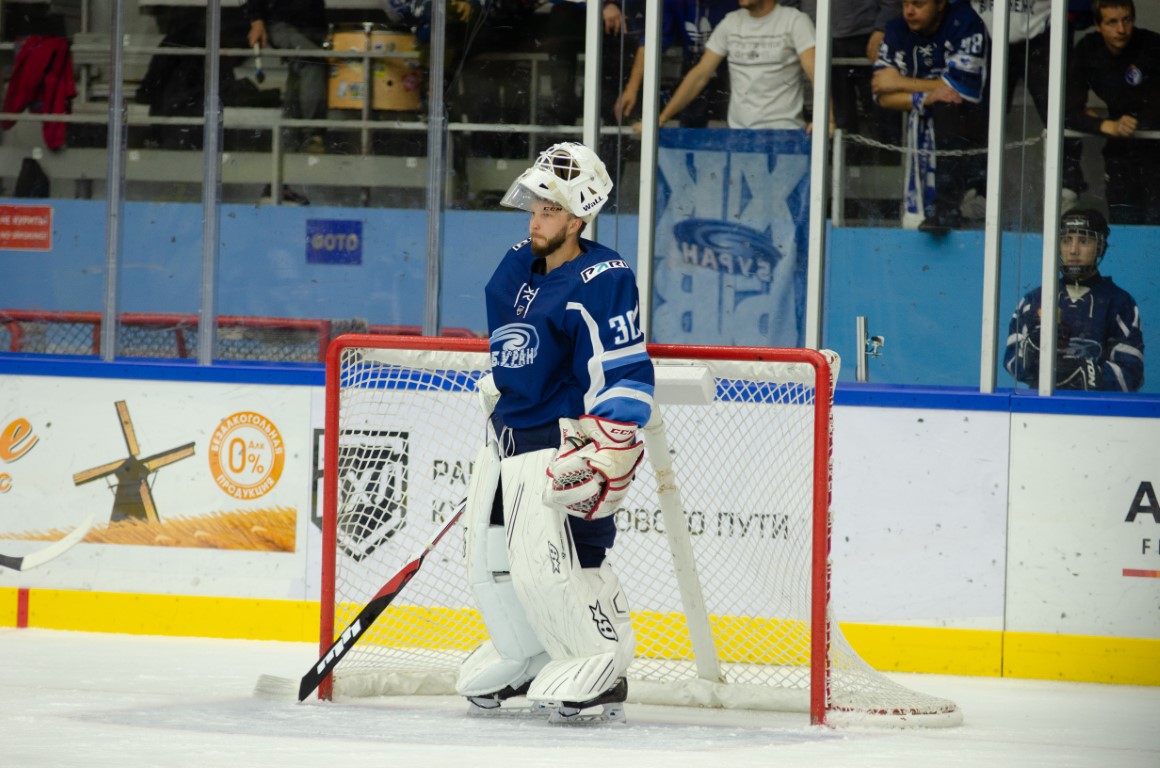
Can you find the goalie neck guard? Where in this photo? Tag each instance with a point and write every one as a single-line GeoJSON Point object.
{"type": "Point", "coordinates": [569, 174]}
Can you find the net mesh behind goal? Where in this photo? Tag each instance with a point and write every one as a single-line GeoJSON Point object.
{"type": "Point", "coordinates": [722, 544]}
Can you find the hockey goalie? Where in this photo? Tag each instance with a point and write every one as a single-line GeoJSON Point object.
{"type": "Point", "coordinates": [570, 386]}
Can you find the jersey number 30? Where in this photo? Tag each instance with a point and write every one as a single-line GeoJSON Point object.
{"type": "Point", "coordinates": [625, 327]}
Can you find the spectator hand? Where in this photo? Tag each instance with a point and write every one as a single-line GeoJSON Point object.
{"type": "Point", "coordinates": [462, 10]}
{"type": "Point", "coordinates": [1120, 129]}
{"type": "Point", "coordinates": [613, 19]}
{"type": "Point", "coordinates": [625, 103]}
{"type": "Point", "coordinates": [945, 94]}
{"type": "Point", "coordinates": [257, 34]}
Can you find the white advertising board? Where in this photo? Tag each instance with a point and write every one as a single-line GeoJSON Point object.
{"type": "Point", "coordinates": [1084, 526]}
{"type": "Point", "coordinates": [191, 488]}
{"type": "Point", "coordinates": [920, 516]}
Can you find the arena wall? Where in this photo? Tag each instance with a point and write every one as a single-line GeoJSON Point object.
{"type": "Point", "coordinates": [973, 534]}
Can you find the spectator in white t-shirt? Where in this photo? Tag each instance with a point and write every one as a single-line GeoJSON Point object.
{"type": "Point", "coordinates": [769, 47]}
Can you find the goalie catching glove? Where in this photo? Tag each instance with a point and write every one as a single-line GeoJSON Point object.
{"type": "Point", "coordinates": [592, 470]}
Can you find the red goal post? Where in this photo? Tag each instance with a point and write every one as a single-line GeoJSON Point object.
{"type": "Point", "coordinates": [723, 542]}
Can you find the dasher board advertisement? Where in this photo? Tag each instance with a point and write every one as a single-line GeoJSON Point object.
{"type": "Point", "coordinates": [1084, 526]}
{"type": "Point", "coordinates": [189, 488]}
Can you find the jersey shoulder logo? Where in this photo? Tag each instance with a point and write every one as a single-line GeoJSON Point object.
{"type": "Point", "coordinates": [590, 272]}
{"type": "Point", "coordinates": [514, 345]}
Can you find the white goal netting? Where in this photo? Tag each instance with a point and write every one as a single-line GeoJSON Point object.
{"type": "Point", "coordinates": [722, 545]}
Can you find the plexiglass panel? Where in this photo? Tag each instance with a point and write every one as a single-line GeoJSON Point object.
{"type": "Point", "coordinates": [52, 172]}
{"type": "Point", "coordinates": [904, 279]}
{"type": "Point", "coordinates": [325, 169]}
{"type": "Point", "coordinates": [332, 209]}
{"type": "Point", "coordinates": [1108, 326]}
{"type": "Point", "coordinates": [517, 79]}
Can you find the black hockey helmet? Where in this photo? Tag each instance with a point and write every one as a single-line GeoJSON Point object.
{"type": "Point", "coordinates": [1090, 223]}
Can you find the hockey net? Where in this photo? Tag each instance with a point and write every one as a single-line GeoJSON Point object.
{"type": "Point", "coordinates": [722, 545]}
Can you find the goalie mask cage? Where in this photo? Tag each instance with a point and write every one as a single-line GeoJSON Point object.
{"type": "Point", "coordinates": [722, 545]}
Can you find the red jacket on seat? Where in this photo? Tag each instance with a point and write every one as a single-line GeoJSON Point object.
{"type": "Point", "coordinates": [42, 78]}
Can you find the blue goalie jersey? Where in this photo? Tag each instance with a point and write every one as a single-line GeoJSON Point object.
{"type": "Point", "coordinates": [567, 343]}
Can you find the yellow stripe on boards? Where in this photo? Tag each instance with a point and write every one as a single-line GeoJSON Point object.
{"type": "Point", "coordinates": [8, 606]}
{"type": "Point", "coordinates": [181, 615]}
{"type": "Point", "coordinates": [931, 650]}
{"type": "Point", "coordinates": [1082, 658]}
{"type": "Point", "coordinates": [448, 629]}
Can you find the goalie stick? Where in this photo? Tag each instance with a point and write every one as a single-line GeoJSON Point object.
{"type": "Point", "coordinates": [51, 552]}
{"type": "Point", "coordinates": [371, 611]}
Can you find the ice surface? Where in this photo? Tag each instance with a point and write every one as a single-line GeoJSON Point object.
{"type": "Point", "coordinates": [80, 699]}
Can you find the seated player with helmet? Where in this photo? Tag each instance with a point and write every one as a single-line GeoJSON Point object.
{"type": "Point", "coordinates": [571, 383]}
{"type": "Point", "coordinates": [1099, 343]}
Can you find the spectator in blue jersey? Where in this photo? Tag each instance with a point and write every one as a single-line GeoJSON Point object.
{"type": "Point", "coordinates": [299, 25]}
{"type": "Point", "coordinates": [1099, 343]}
{"type": "Point", "coordinates": [1120, 64]}
{"type": "Point", "coordinates": [1028, 59]}
{"type": "Point", "coordinates": [933, 64]}
{"type": "Point", "coordinates": [770, 49]}
{"type": "Point", "coordinates": [571, 383]}
{"type": "Point", "coordinates": [689, 23]}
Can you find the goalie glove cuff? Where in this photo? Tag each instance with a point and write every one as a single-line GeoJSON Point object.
{"type": "Point", "coordinates": [594, 467]}
{"type": "Point", "coordinates": [1078, 373]}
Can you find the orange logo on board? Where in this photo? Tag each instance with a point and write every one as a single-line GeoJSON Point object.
{"type": "Point", "coordinates": [246, 454]}
{"type": "Point", "coordinates": [16, 439]}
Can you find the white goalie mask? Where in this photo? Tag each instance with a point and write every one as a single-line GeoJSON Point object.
{"type": "Point", "coordinates": [569, 174]}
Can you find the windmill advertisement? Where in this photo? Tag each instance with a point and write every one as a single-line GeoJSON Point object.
{"type": "Point", "coordinates": [195, 484]}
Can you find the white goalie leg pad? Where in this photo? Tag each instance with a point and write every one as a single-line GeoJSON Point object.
{"type": "Point", "coordinates": [580, 614]}
{"type": "Point", "coordinates": [513, 655]}
{"type": "Point", "coordinates": [486, 671]}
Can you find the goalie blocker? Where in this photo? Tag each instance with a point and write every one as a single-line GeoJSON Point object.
{"type": "Point", "coordinates": [590, 474]}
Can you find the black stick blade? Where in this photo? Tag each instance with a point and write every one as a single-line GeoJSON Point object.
{"type": "Point", "coordinates": [366, 617]}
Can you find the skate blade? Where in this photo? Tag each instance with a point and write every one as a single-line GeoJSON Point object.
{"type": "Point", "coordinates": [609, 713]}
{"type": "Point", "coordinates": [508, 711]}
